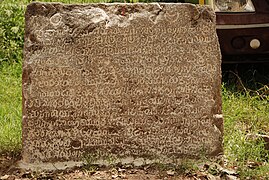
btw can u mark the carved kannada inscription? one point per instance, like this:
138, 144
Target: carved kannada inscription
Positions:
142, 84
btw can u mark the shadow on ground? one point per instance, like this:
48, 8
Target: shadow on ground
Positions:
241, 77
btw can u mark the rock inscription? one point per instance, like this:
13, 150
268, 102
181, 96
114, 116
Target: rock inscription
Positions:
123, 80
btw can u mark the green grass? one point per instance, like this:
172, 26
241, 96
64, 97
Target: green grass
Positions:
244, 113
10, 107
11, 44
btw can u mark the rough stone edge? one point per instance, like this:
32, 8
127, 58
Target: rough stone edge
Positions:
136, 162
49, 166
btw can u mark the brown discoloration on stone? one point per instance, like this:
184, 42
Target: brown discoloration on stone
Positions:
123, 80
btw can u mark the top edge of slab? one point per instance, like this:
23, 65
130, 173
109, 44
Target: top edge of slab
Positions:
48, 8
118, 3
115, 3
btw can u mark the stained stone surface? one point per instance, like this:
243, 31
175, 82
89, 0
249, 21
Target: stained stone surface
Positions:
133, 82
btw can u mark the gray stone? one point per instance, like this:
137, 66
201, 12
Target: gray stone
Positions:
119, 81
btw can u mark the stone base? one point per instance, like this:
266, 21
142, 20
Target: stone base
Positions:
39, 166
136, 162
49, 166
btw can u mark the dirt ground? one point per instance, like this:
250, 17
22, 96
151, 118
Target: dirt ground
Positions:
9, 171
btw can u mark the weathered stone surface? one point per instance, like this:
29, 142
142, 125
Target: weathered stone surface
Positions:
124, 81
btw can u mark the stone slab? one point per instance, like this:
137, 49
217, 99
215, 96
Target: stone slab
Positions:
104, 82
